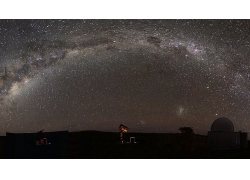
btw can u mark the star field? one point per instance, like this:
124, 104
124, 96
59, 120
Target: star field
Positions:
151, 75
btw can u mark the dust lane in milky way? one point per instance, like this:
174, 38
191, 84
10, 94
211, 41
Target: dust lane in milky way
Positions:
151, 75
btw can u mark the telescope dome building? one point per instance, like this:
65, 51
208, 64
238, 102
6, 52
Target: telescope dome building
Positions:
222, 125
222, 135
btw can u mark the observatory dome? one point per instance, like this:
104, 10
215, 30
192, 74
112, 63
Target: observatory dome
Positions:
222, 124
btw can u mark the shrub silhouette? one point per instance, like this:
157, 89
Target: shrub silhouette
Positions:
186, 130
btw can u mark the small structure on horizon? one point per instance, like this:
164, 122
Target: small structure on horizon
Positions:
222, 135
123, 129
36, 145
41, 140
132, 140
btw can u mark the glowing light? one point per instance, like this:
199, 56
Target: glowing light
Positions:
124, 130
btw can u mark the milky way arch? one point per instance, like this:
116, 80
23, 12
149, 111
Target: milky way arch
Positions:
151, 75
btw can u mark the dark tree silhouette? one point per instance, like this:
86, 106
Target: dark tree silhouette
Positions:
186, 130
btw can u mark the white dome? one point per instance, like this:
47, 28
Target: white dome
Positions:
223, 125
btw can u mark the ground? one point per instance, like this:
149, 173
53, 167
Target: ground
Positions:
106, 145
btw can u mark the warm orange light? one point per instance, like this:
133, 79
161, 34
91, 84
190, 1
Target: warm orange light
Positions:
123, 129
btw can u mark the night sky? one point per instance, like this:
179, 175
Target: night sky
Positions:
150, 75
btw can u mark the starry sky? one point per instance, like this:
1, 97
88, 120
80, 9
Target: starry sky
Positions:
150, 75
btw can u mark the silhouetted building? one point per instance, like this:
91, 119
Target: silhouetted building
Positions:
41, 145
222, 135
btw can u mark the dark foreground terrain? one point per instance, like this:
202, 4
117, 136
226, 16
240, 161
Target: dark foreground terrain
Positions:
106, 145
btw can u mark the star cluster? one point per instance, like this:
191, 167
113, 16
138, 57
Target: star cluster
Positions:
151, 75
